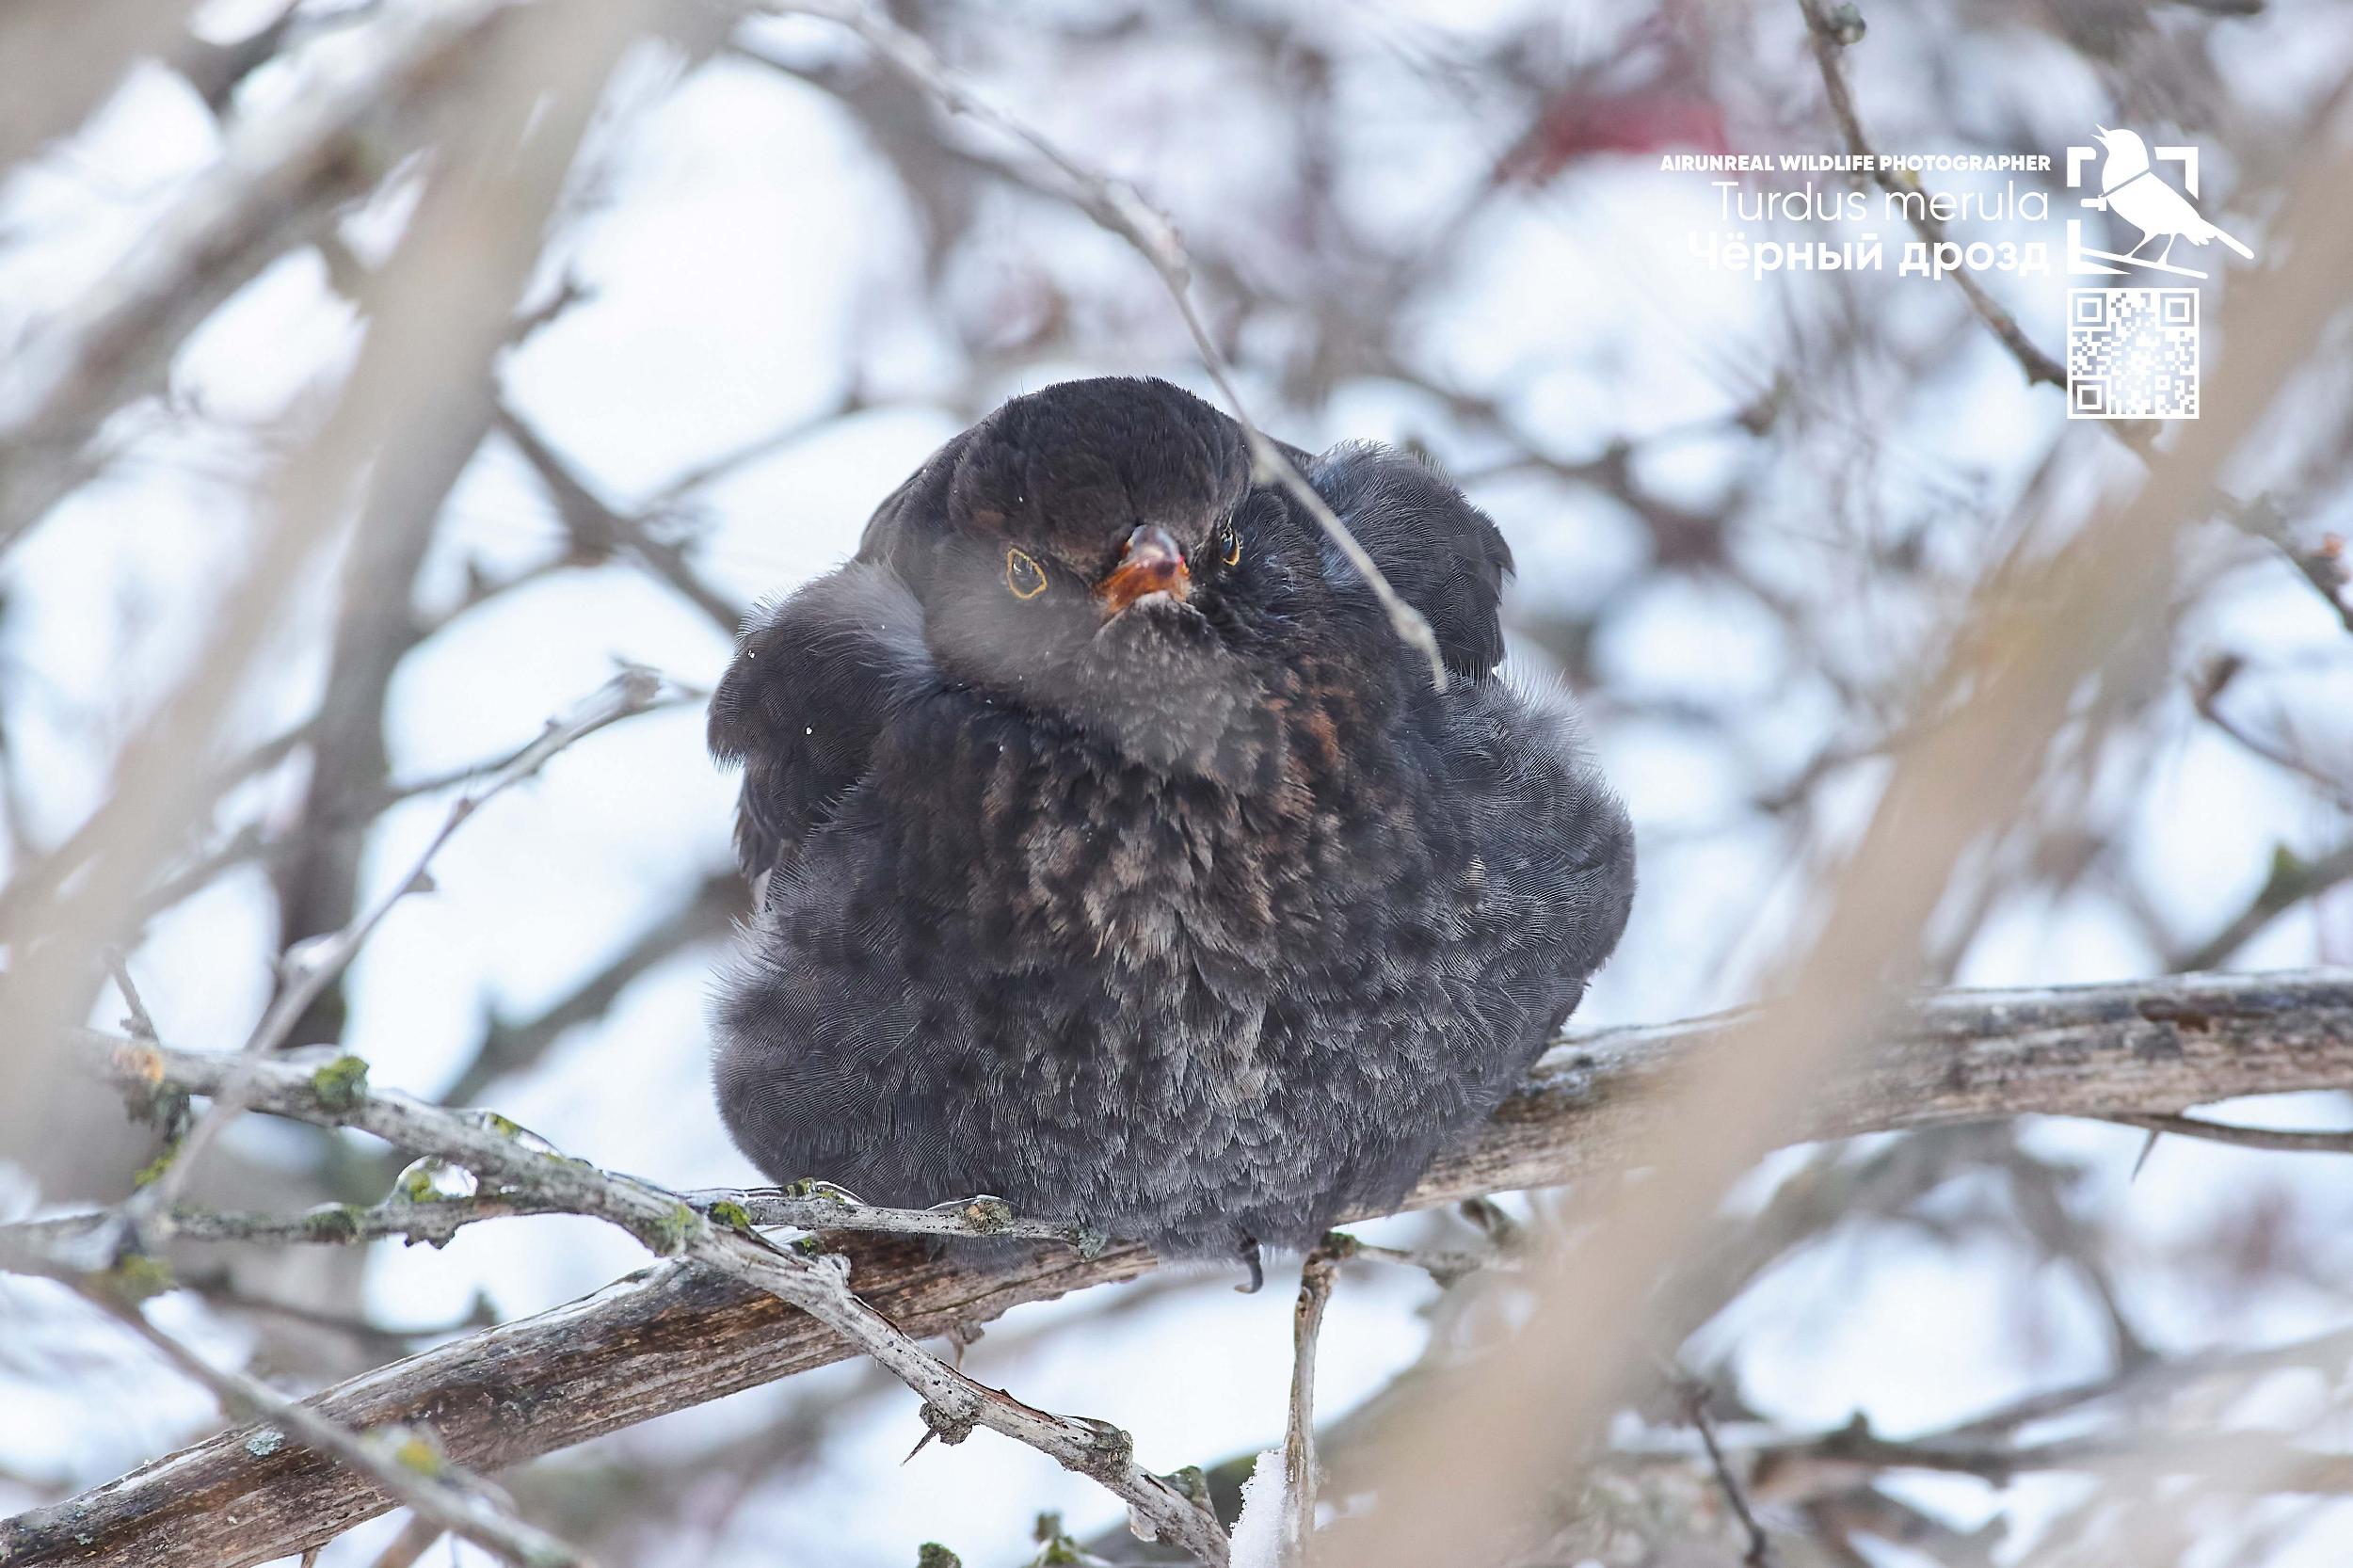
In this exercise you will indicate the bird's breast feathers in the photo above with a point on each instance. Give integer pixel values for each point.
(1070, 849)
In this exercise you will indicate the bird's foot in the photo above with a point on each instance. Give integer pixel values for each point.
(1256, 1266)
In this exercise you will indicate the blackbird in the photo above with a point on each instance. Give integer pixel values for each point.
(1121, 860)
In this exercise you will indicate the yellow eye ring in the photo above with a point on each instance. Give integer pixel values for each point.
(1024, 577)
(1229, 544)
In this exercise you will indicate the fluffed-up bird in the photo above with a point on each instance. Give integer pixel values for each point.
(1122, 862)
(2131, 187)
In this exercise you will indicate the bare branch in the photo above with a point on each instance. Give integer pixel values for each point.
(2324, 568)
(480, 218)
(708, 913)
(679, 1336)
(829, 1209)
(1475, 1449)
(590, 520)
(2292, 881)
(434, 1220)
(1760, 1550)
(2324, 565)
(2207, 695)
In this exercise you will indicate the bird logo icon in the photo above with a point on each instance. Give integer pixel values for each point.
(2133, 189)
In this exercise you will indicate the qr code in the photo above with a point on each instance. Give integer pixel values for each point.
(2132, 353)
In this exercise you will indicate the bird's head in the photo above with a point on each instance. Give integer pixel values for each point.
(1103, 553)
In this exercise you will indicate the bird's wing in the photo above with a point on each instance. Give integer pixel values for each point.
(1439, 552)
(906, 530)
(815, 679)
(1555, 848)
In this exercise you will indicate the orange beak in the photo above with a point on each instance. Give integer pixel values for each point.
(1150, 563)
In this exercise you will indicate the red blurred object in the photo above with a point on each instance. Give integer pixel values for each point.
(1579, 125)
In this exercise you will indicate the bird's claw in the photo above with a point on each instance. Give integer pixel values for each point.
(1256, 1266)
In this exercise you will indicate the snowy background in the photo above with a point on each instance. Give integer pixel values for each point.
(1743, 511)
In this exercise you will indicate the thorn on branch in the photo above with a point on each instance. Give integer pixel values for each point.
(950, 1427)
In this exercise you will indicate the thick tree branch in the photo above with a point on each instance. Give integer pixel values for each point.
(679, 1334)
(408, 1466)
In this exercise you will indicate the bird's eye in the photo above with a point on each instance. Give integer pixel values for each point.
(1228, 544)
(1025, 577)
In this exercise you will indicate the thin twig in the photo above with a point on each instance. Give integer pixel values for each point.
(2324, 565)
(1822, 33)
(594, 523)
(2206, 696)
(826, 1207)
(1695, 1407)
(2292, 881)
(415, 1539)
(140, 1024)
(251, 843)
(1317, 1275)
(954, 1404)
(434, 1221)
(1444, 1267)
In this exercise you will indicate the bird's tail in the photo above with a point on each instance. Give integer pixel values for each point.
(2232, 243)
